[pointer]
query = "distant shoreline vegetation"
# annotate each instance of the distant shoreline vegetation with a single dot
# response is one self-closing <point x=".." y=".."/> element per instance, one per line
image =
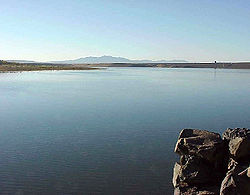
<point x="19" y="67"/>
<point x="220" y="65"/>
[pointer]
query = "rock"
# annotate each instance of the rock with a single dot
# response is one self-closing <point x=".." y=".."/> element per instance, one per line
<point x="236" y="180"/>
<point x="205" y="144"/>
<point x="243" y="180"/>
<point x="237" y="132"/>
<point x="210" y="165"/>
<point x="232" y="164"/>
<point x="197" y="171"/>
<point x="239" y="143"/>
<point x="228" y="186"/>
<point x="185" y="191"/>
<point x="240" y="148"/>
<point x="176" y="175"/>
<point x="196" y="191"/>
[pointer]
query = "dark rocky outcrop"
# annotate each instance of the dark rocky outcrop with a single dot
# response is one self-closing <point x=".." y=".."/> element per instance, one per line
<point x="239" y="143"/>
<point x="236" y="180"/>
<point x="210" y="164"/>
<point x="200" y="143"/>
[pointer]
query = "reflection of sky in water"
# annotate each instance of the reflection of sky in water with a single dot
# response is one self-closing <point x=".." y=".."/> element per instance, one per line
<point x="109" y="130"/>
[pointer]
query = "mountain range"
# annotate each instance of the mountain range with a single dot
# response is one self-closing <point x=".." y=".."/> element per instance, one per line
<point x="101" y="59"/>
<point x="111" y="59"/>
<point x="21" y="61"/>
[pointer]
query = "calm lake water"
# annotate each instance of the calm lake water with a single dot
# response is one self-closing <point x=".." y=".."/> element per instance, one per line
<point x="109" y="131"/>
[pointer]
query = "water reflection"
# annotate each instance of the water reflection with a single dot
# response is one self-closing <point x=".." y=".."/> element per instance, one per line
<point x="109" y="131"/>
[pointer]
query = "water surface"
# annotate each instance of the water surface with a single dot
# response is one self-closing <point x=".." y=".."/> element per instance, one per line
<point x="109" y="131"/>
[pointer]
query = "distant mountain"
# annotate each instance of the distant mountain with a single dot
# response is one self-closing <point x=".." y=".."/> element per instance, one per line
<point x="111" y="59"/>
<point x="21" y="61"/>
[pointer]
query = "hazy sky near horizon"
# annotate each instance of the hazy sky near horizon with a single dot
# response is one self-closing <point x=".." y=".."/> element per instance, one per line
<point x="194" y="30"/>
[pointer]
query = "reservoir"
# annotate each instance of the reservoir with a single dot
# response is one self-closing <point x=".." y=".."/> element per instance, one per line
<point x="109" y="131"/>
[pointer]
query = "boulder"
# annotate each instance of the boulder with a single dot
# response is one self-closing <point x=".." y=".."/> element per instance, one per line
<point x="239" y="143"/>
<point x="176" y="174"/>
<point x="196" y="171"/>
<point x="232" y="165"/>
<point x="237" y="180"/>
<point x="228" y="186"/>
<point x="193" y="170"/>
<point x="243" y="180"/>
<point x="240" y="148"/>
<point x="210" y="165"/>
<point x="237" y="132"/>
<point x="202" y="143"/>
<point x="213" y="190"/>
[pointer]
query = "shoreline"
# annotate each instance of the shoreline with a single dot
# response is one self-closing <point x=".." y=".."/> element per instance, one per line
<point x="20" y="67"/>
<point x="236" y="65"/>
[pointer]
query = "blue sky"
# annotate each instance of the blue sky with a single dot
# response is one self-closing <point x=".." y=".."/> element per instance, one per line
<point x="194" y="30"/>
